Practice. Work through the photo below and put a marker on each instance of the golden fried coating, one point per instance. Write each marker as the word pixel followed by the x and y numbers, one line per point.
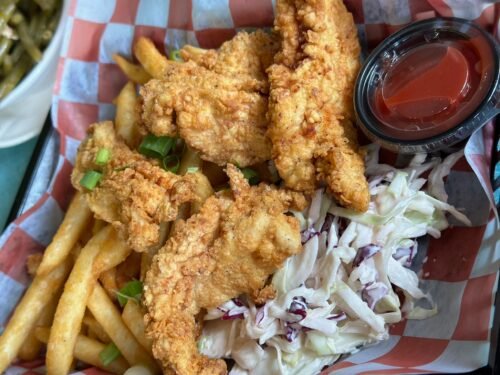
pixel 135 195
pixel 310 105
pixel 229 248
pixel 216 100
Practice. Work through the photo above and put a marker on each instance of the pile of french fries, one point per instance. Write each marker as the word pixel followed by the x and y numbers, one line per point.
pixel 83 304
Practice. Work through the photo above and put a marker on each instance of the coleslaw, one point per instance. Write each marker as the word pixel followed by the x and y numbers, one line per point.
pixel 351 281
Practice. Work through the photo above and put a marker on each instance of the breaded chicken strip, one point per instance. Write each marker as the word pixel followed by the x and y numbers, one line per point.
pixel 230 247
pixel 216 100
pixel 134 194
pixel 310 106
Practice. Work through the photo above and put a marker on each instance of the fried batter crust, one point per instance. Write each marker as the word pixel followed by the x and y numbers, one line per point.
pixel 216 101
pixel 229 248
pixel 134 194
pixel 310 106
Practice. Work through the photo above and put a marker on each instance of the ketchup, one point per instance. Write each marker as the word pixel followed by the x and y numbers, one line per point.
pixel 432 87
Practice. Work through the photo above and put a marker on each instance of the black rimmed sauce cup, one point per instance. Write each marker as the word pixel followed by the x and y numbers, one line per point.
pixel 429 86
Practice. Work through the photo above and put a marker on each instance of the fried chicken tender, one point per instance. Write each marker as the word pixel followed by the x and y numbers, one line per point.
pixel 229 248
pixel 216 101
pixel 310 105
pixel 134 194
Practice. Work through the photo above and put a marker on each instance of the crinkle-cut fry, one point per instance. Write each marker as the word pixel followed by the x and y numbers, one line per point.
pixel 114 250
pixel 32 346
pixel 37 297
pixel 94 326
pixel 88 350
pixel 133 317
pixel 106 313
pixel 75 221
pixel 135 73
pixel 108 281
pixel 147 256
pixel 153 62
pixel 71 308
pixel 127 117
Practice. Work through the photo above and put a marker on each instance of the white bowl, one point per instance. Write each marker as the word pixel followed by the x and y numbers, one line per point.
pixel 23 111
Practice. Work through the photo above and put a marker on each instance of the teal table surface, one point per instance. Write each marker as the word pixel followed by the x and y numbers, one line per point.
pixel 13 164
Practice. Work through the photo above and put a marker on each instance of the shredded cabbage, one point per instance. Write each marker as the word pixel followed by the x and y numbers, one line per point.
pixel 338 294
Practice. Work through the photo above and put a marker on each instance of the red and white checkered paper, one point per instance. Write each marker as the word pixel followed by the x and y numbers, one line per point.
pixel 461 267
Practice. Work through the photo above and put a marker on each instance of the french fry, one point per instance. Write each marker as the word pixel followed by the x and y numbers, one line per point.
pixel 190 159
pixel 133 317
pixel 31 346
pixel 88 350
pixel 203 190
pixel 135 73
pixel 94 326
pixel 75 221
pixel 97 226
pixel 151 59
pixel 71 307
pixel 127 117
pixel 106 313
pixel 108 281
pixel 36 298
pixel 193 53
pixel 113 252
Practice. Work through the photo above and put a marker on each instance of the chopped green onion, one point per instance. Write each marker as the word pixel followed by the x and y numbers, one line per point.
pixel 156 147
pixel 102 156
pixel 171 163
pixel 90 179
pixel 109 354
pixel 192 169
pixel 175 55
pixel 250 175
pixel 131 290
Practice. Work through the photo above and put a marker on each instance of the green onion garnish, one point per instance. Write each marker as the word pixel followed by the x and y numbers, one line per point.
pixel 156 147
pixel 192 169
pixel 131 290
pixel 175 55
pixel 109 354
pixel 171 163
pixel 102 156
pixel 250 175
pixel 90 179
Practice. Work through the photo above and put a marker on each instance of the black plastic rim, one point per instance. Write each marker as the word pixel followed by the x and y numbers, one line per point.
pixel 369 123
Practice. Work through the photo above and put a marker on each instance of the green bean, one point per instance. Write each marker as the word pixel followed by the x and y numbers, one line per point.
pixel 16 74
pixel 5 45
pixel 48 33
pixel 6 11
pixel 17 52
pixel 16 18
pixel 34 23
pixel 7 64
pixel 46 5
pixel 27 41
